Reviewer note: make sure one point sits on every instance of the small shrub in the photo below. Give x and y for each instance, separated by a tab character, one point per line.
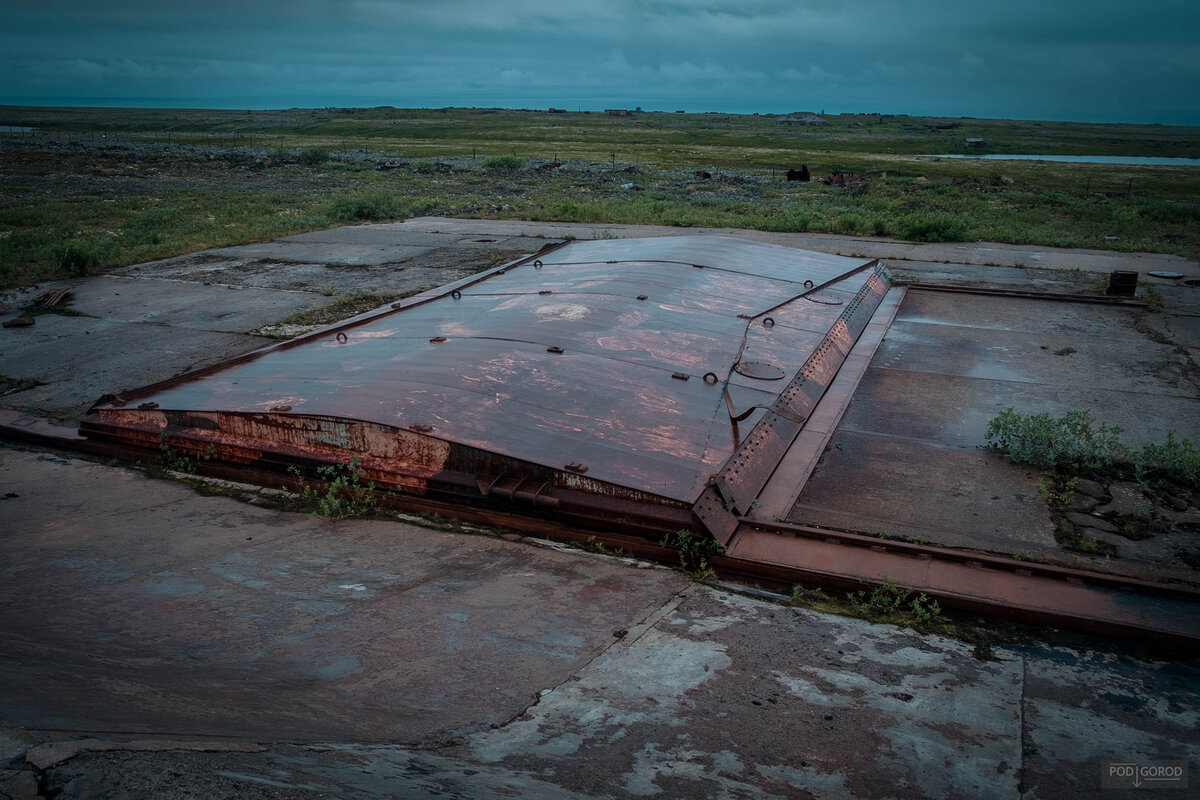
369	205
568	211
503	163
934	226
314	156
1175	460
1073	440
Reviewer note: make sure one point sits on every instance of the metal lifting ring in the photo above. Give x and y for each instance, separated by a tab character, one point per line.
808	284
710	378
537	264
342	337
768	322
456	294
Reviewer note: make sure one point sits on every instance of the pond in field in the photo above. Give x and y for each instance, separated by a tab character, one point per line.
1137	160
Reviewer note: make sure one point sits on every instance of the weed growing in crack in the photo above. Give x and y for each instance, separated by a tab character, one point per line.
889	603
694	551
173	460
592	546
340	493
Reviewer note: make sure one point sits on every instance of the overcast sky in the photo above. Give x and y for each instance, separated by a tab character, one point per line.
1099	60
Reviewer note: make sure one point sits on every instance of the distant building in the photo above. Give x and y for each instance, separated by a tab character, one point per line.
970	142
617	112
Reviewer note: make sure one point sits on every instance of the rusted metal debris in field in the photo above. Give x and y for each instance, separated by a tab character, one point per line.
642	385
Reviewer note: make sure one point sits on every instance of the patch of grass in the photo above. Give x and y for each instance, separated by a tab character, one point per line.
1058	488
1070	539
1153	297
932	226
593	546
212	189
80	257
344	306
373	205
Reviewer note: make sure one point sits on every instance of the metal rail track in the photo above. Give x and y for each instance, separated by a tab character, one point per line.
1024	294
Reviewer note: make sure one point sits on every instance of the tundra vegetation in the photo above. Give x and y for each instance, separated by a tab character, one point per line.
86	189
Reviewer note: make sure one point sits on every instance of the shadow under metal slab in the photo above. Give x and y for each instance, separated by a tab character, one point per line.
643	385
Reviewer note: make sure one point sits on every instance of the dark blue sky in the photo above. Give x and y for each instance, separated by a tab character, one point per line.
1102	60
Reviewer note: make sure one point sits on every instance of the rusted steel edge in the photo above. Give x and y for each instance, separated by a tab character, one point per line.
988	560
19	428
1027	295
124	396
785	578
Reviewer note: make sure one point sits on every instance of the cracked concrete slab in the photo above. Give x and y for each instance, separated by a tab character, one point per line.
76	360
720	695
229	620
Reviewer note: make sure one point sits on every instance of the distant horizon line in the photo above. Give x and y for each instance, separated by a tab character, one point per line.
215	104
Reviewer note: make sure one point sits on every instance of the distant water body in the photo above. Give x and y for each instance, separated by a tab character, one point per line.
1138	160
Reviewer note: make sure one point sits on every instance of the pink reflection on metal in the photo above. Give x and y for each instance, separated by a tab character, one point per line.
614	358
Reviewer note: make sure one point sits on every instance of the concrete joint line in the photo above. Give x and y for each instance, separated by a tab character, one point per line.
50	754
640	629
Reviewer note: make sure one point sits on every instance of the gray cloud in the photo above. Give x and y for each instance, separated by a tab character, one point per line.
1107	60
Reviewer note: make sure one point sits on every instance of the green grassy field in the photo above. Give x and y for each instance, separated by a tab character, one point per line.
88	189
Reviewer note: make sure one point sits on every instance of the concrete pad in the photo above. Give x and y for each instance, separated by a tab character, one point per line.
906	487
134	606
79	359
385	234
1084	711
186	304
698	706
717	695
145	624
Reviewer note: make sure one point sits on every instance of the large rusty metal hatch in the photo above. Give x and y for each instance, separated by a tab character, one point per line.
642	385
